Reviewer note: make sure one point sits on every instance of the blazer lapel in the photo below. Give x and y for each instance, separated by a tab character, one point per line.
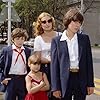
27	53
10	51
65	47
79	45
9	59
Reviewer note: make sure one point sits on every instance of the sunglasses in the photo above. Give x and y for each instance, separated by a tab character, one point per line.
49	21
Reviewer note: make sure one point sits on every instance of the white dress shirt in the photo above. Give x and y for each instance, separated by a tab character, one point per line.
18	68
44	47
72	48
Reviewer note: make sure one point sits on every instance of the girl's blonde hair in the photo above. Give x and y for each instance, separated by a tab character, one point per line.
37	25
35	57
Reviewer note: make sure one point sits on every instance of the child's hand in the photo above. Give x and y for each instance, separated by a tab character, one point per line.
5	81
42	83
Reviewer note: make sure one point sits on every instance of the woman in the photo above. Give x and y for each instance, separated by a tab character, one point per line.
44	31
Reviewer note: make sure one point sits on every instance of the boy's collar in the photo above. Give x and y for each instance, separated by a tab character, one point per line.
14	47
64	36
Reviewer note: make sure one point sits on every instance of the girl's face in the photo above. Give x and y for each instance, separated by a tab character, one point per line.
35	67
19	41
46	23
74	26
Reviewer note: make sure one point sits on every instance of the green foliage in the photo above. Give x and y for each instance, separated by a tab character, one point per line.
29	7
1	5
28	10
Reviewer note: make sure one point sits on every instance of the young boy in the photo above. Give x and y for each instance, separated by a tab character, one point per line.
13	66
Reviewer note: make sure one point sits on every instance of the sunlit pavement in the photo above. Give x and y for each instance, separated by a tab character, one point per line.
97	86
1	96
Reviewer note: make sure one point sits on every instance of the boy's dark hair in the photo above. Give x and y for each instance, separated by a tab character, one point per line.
72	15
19	32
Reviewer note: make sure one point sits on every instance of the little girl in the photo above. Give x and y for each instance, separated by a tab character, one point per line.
36	81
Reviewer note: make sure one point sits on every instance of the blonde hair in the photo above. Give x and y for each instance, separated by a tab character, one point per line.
34	58
37	25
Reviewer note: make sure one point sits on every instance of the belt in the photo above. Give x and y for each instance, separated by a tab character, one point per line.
74	70
14	75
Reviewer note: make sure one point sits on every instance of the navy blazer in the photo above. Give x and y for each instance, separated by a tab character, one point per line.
6	60
60	64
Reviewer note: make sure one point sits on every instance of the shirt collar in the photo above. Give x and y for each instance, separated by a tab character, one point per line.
64	36
14	47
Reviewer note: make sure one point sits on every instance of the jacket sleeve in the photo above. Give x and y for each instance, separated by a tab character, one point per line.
55	69
90	72
2	65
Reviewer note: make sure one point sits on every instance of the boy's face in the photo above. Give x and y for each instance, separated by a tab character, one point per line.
74	26
18	41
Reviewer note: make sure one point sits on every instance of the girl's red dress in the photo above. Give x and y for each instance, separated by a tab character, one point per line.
41	95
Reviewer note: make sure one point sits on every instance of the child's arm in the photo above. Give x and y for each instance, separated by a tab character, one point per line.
43	60
47	86
33	88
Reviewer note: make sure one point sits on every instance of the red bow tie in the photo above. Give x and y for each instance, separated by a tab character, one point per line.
19	53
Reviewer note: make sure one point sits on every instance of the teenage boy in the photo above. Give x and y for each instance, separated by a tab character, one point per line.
71	61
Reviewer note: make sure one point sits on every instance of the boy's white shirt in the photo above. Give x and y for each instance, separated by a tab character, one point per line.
19	68
72	48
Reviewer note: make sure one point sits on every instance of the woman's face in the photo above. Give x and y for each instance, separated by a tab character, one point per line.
46	23
74	26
